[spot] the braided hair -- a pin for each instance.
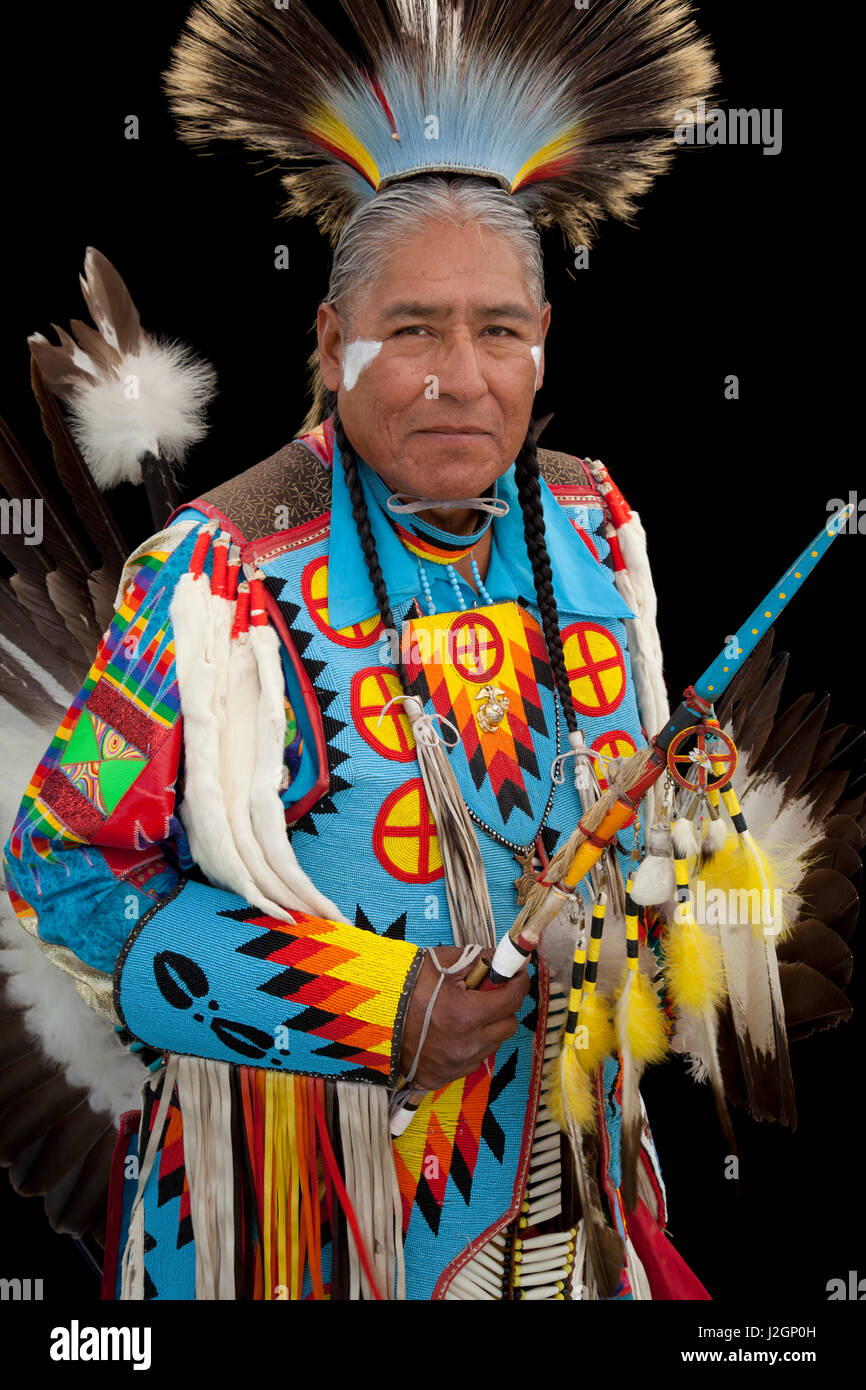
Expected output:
(526, 476)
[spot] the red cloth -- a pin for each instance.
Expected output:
(668, 1274)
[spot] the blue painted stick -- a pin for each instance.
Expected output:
(719, 675)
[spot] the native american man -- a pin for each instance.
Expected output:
(322, 742)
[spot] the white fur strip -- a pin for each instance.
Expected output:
(202, 810)
(632, 541)
(266, 808)
(237, 764)
(643, 638)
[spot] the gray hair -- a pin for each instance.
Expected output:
(393, 217)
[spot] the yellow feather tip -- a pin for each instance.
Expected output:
(645, 1023)
(570, 1095)
(594, 1039)
(694, 969)
(747, 882)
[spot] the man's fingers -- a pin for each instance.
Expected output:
(496, 1003)
(493, 1035)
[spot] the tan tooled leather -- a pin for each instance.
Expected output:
(292, 487)
(283, 491)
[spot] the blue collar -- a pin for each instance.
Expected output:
(581, 585)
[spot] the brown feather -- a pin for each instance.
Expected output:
(748, 680)
(25, 693)
(812, 943)
(96, 516)
(760, 712)
(102, 353)
(605, 1253)
(785, 726)
(824, 792)
(83, 1205)
(812, 1002)
(55, 1145)
(29, 591)
(789, 767)
(832, 899)
(21, 478)
(841, 827)
(828, 853)
(110, 304)
(828, 744)
(61, 374)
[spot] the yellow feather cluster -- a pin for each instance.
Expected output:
(749, 872)
(645, 1024)
(569, 1095)
(594, 1039)
(694, 969)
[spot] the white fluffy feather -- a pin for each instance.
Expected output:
(685, 837)
(153, 402)
(70, 1033)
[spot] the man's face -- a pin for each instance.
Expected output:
(442, 407)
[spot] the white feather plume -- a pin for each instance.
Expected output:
(152, 402)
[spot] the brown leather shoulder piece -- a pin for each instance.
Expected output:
(558, 468)
(283, 491)
(293, 487)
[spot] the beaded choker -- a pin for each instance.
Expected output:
(433, 544)
(433, 541)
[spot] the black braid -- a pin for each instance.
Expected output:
(526, 477)
(362, 522)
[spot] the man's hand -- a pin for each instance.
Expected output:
(466, 1027)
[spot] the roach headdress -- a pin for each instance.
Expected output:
(571, 110)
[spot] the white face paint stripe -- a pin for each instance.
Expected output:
(536, 357)
(357, 356)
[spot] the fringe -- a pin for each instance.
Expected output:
(371, 1184)
(204, 1091)
(132, 1264)
(465, 878)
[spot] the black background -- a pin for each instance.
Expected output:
(730, 269)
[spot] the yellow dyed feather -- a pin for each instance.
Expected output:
(645, 1024)
(694, 968)
(744, 882)
(594, 1039)
(326, 124)
(569, 1096)
(560, 145)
